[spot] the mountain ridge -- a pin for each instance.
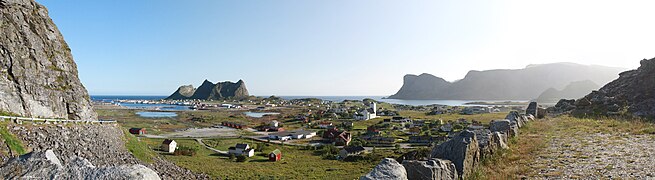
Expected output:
(210, 91)
(503, 84)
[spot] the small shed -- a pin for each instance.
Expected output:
(169, 145)
(138, 131)
(276, 155)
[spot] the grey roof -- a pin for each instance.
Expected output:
(241, 146)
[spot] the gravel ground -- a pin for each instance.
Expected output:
(582, 155)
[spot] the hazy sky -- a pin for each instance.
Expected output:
(337, 47)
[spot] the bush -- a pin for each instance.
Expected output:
(187, 151)
(241, 158)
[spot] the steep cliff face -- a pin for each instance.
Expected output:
(424, 86)
(38, 77)
(211, 91)
(633, 94)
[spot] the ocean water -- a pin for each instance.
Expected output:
(112, 98)
(327, 98)
(148, 114)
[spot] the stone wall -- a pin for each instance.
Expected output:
(458, 157)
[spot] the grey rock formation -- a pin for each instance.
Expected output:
(462, 150)
(388, 169)
(433, 169)
(500, 125)
(574, 90)
(513, 130)
(504, 84)
(632, 94)
(38, 77)
(100, 144)
(183, 92)
(211, 91)
(498, 140)
(533, 109)
(515, 117)
(46, 165)
(563, 106)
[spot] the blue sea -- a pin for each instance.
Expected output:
(109, 98)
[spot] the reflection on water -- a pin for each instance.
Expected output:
(157, 114)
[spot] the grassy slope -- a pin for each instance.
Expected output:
(515, 163)
(14, 143)
(139, 149)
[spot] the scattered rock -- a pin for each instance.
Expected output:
(388, 169)
(630, 95)
(46, 165)
(436, 169)
(462, 150)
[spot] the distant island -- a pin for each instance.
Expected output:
(211, 91)
(504, 84)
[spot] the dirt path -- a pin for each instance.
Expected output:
(210, 148)
(585, 149)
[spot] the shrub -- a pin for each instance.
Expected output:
(187, 151)
(241, 158)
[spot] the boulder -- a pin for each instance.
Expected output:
(500, 125)
(483, 136)
(46, 165)
(436, 169)
(498, 141)
(532, 109)
(462, 150)
(513, 130)
(515, 117)
(388, 169)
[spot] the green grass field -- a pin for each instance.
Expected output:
(296, 163)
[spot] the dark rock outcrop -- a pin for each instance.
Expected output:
(211, 91)
(437, 169)
(501, 125)
(47, 165)
(632, 94)
(388, 169)
(38, 77)
(462, 150)
(563, 106)
(504, 84)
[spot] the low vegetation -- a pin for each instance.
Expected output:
(15, 145)
(138, 148)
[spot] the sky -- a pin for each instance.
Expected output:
(337, 47)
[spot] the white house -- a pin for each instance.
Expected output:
(242, 150)
(282, 136)
(275, 123)
(168, 145)
(367, 114)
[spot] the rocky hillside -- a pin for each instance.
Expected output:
(211, 91)
(574, 90)
(38, 77)
(632, 94)
(504, 84)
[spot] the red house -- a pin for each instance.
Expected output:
(275, 155)
(138, 131)
(339, 138)
(233, 125)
